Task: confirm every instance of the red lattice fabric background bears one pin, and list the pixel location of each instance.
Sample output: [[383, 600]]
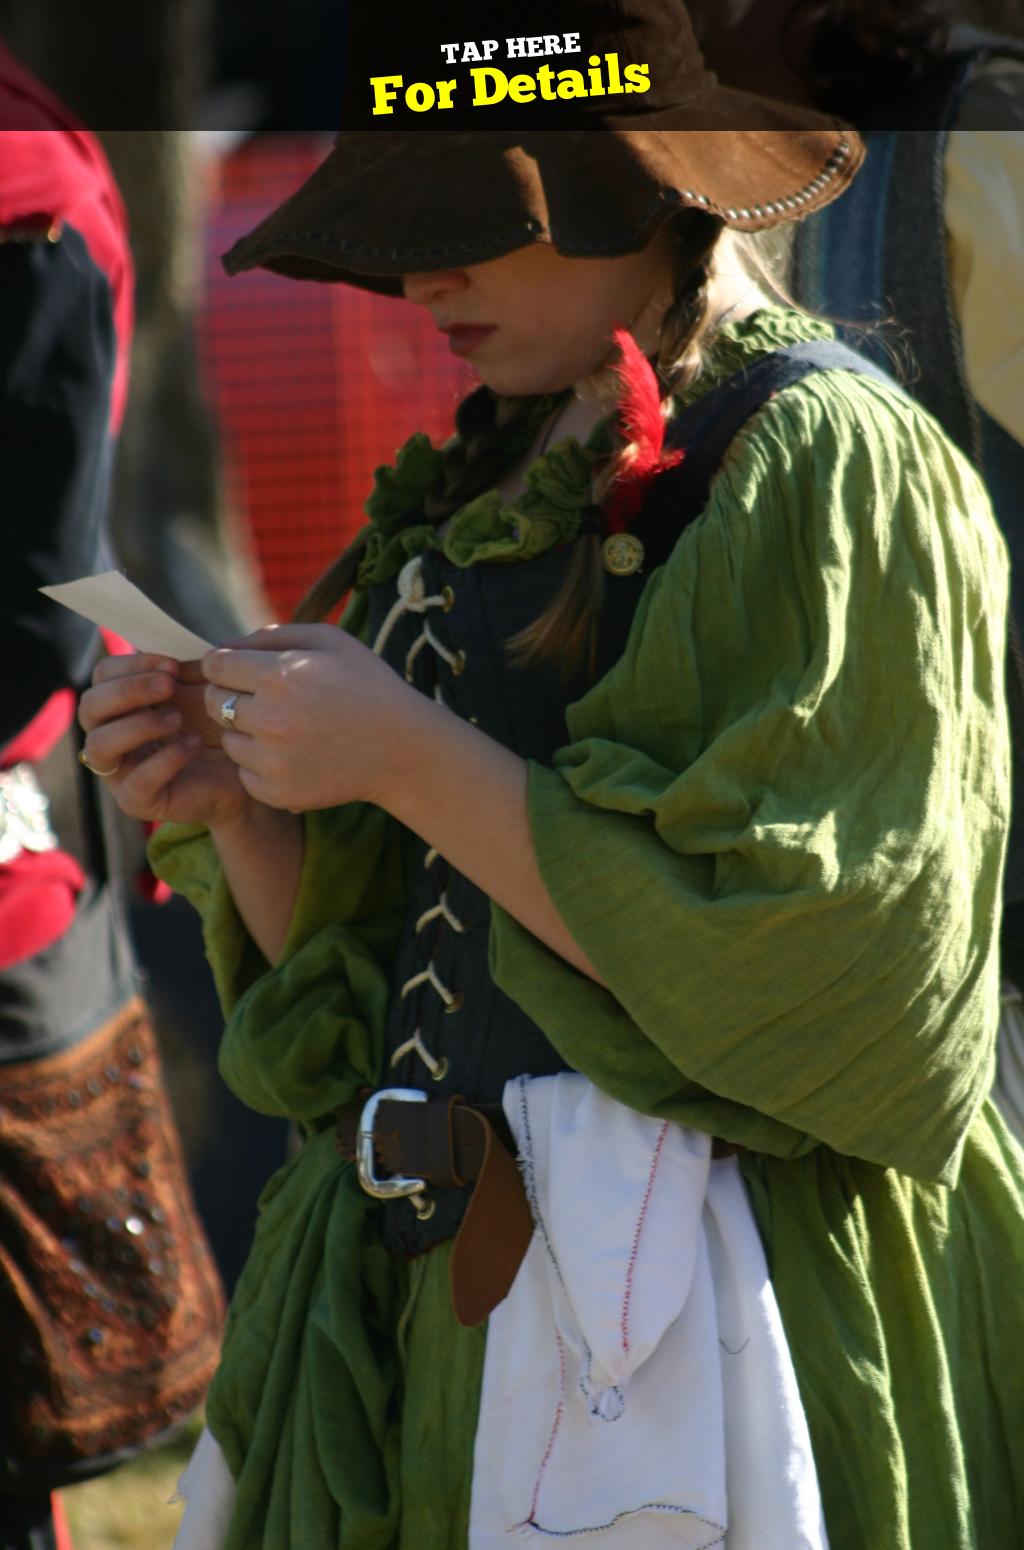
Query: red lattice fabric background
[[313, 385]]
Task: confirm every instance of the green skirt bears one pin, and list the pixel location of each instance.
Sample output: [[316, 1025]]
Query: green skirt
[[347, 1396]]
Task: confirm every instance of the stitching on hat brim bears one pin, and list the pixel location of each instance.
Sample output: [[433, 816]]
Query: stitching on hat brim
[[279, 248]]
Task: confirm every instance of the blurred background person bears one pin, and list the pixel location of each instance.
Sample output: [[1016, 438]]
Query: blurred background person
[[929, 245], [110, 1307], [171, 522]]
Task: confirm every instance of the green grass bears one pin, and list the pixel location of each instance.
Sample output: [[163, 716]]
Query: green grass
[[127, 1509]]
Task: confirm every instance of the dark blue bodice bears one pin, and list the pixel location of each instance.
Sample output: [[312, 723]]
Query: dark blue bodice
[[450, 1029]]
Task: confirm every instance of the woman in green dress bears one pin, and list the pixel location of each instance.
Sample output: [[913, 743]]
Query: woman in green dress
[[714, 816]]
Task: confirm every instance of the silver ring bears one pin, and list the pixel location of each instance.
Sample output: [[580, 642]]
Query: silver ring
[[228, 710]]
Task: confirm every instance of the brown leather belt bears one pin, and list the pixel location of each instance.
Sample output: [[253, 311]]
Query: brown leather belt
[[451, 1144]]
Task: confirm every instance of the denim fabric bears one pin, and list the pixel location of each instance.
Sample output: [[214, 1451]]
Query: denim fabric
[[878, 256]]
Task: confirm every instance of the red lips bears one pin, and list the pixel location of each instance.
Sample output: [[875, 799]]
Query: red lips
[[463, 338]]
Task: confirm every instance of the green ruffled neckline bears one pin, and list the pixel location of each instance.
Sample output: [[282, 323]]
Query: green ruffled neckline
[[548, 512]]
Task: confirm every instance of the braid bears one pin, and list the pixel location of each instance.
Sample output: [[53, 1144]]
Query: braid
[[679, 354], [567, 631], [336, 582]]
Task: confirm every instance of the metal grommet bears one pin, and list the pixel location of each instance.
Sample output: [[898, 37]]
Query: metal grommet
[[455, 1003], [622, 554], [424, 1207], [459, 664], [440, 1070], [448, 599]]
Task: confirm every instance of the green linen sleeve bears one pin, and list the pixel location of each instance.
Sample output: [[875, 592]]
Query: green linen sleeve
[[778, 828], [302, 1035]]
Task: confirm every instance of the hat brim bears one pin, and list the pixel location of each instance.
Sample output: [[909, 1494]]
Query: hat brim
[[386, 203]]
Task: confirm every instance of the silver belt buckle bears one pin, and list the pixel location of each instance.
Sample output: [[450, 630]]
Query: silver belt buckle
[[396, 1187]]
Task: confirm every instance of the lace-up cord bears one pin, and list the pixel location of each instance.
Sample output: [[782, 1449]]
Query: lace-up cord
[[414, 599], [415, 1046], [413, 652], [438, 1068], [445, 911], [429, 976], [454, 659]]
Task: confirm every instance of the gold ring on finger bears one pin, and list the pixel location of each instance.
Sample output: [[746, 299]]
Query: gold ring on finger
[[83, 758]]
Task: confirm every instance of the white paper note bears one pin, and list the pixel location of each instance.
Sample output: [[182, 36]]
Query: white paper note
[[114, 602]]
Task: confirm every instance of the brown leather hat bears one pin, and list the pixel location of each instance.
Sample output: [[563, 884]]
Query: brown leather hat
[[389, 200]]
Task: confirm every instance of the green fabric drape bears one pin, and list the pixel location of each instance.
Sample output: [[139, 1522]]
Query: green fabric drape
[[777, 831], [787, 867]]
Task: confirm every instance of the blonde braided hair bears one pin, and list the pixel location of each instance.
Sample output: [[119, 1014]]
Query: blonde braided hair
[[566, 632]]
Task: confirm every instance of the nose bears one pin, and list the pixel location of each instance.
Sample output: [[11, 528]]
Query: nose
[[425, 288]]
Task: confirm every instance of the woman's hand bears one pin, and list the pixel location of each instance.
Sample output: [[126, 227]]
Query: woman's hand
[[142, 724], [319, 720]]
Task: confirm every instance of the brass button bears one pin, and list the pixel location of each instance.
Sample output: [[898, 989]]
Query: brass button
[[440, 1071], [455, 1003], [424, 1208], [623, 554], [447, 599], [459, 664]]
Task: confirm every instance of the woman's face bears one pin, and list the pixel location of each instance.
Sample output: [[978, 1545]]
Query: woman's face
[[536, 322]]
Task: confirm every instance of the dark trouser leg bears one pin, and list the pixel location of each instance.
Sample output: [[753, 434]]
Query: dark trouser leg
[[26, 1523]]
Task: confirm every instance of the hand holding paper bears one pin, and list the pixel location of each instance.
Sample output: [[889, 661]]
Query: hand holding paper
[[113, 602], [145, 715], [160, 754]]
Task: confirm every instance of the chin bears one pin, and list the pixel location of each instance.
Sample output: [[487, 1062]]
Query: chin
[[521, 384]]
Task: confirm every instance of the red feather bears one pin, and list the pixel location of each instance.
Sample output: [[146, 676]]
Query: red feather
[[642, 427]]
